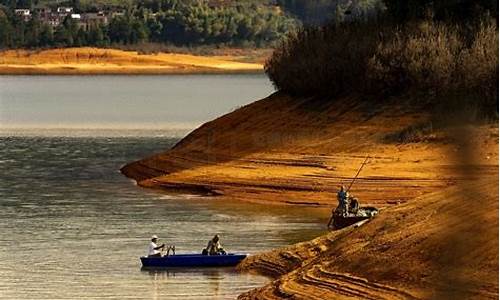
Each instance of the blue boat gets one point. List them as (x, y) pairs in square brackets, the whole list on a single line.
[(193, 260)]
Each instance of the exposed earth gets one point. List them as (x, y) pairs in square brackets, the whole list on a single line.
[(437, 187)]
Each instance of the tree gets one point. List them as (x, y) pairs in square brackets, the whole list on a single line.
[(77, 6), (405, 10), (24, 4), (66, 33), (96, 36), (19, 27), (46, 37), (33, 29), (81, 38), (119, 30), (154, 27), (181, 22), (138, 33), (6, 31)]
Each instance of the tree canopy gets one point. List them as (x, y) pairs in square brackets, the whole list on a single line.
[(182, 23)]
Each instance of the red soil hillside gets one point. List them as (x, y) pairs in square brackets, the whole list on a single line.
[(438, 246), (284, 150), (436, 236)]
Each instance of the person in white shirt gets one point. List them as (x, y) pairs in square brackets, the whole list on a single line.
[(153, 249)]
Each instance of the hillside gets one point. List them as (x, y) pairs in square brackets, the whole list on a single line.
[(87, 60), (428, 248), (283, 150)]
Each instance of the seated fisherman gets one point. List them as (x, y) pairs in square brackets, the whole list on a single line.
[(354, 206), (153, 249), (214, 247)]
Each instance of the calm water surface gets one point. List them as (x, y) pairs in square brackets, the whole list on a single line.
[(72, 227), (131, 102)]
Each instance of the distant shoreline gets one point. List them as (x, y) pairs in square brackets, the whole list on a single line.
[(97, 61)]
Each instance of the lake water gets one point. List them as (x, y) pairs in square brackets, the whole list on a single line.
[(173, 103), (72, 227)]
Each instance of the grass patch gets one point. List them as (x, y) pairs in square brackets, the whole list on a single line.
[(423, 132)]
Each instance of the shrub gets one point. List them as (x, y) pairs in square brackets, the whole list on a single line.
[(329, 60), (422, 55), (478, 66), (440, 61), (449, 65), (416, 133)]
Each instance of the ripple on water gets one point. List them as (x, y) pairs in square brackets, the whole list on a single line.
[(71, 226)]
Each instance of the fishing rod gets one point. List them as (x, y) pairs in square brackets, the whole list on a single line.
[(359, 170)]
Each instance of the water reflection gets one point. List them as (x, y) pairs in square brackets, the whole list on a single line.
[(204, 282)]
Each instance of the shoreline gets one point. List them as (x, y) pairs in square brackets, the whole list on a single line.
[(250, 157), (99, 61), (295, 151), (21, 70)]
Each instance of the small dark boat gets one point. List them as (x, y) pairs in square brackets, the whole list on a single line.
[(193, 260), (363, 213), (354, 214)]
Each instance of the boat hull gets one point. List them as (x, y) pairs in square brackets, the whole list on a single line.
[(193, 260), (340, 221)]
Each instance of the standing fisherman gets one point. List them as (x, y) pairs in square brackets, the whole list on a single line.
[(343, 198), (343, 208)]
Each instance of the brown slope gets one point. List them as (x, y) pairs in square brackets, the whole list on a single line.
[(438, 246), (285, 150), (425, 243)]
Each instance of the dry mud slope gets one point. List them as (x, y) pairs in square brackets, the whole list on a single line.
[(290, 151), (438, 246), (436, 236)]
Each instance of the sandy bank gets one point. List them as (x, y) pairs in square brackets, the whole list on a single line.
[(280, 150), (433, 247), (111, 61), (298, 151)]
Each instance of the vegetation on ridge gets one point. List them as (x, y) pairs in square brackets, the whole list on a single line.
[(114, 23), (172, 22), (429, 54)]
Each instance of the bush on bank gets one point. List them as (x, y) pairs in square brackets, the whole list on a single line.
[(439, 60)]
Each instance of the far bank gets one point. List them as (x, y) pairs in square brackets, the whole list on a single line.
[(94, 61)]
